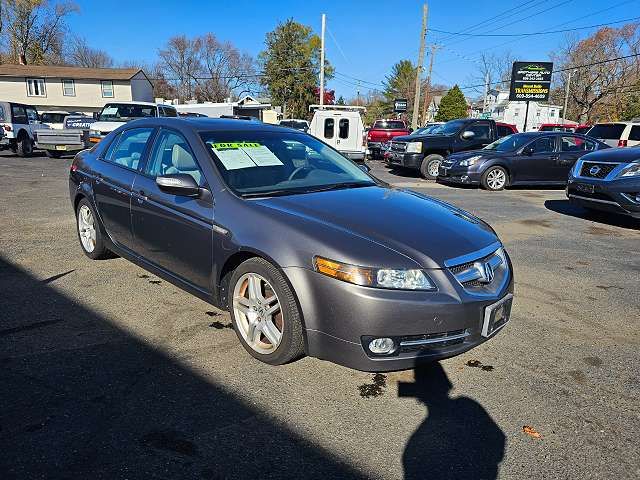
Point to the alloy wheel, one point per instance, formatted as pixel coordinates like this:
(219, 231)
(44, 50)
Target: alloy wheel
(433, 168)
(496, 179)
(86, 228)
(258, 313)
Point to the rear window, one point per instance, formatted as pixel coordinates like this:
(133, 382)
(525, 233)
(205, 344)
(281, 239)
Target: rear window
(389, 125)
(608, 131)
(294, 124)
(47, 117)
(635, 133)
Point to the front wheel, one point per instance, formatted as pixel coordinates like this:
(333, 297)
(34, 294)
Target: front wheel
(494, 178)
(265, 313)
(430, 166)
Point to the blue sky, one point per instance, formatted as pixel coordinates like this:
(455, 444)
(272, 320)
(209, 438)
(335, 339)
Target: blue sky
(364, 39)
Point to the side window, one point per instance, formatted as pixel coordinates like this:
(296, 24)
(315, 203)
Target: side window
(112, 146)
(503, 131)
(343, 128)
(635, 133)
(170, 112)
(172, 154)
(19, 115)
(328, 127)
(576, 144)
(2, 116)
(130, 148)
(482, 131)
(543, 145)
(32, 115)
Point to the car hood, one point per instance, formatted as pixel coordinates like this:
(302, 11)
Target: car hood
(472, 153)
(106, 126)
(422, 228)
(622, 155)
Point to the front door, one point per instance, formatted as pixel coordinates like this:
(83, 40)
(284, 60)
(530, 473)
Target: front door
(537, 162)
(173, 232)
(113, 179)
(482, 136)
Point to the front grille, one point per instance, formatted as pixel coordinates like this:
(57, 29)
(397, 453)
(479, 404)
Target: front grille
(596, 170)
(484, 275)
(398, 146)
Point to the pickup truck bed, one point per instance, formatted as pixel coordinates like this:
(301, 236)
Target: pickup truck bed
(62, 142)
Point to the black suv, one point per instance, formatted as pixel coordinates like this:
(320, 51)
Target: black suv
(426, 152)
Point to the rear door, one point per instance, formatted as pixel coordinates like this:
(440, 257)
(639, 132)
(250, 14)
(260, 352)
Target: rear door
(170, 231)
(571, 149)
(347, 137)
(537, 162)
(329, 129)
(113, 178)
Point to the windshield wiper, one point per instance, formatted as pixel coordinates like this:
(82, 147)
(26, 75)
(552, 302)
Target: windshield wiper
(340, 186)
(319, 188)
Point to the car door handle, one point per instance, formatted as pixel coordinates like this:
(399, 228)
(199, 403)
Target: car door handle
(141, 196)
(98, 178)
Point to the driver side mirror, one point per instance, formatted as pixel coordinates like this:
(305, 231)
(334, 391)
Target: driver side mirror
(181, 184)
(528, 150)
(468, 135)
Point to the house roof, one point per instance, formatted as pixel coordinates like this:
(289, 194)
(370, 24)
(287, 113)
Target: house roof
(49, 71)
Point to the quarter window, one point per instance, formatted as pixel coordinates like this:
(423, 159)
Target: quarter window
(36, 87)
(68, 88)
(107, 88)
(130, 148)
(172, 154)
(328, 127)
(343, 128)
(635, 133)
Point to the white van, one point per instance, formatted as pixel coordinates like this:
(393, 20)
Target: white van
(341, 127)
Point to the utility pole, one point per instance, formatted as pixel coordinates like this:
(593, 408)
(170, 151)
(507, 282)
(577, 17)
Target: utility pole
(566, 98)
(486, 92)
(427, 90)
(322, 61)
(416, 98)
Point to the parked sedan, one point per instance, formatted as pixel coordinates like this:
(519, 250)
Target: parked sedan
(524, 158)
(608, 180)
(308, 252)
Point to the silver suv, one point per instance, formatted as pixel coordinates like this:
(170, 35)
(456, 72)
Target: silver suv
(617, 134)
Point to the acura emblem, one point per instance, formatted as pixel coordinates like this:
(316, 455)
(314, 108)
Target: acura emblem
(486, 272)
(594, 170)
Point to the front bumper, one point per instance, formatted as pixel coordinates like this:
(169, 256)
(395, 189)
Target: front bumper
(403, 159)
(341, 317)
(615, 196)
(459, 175)
(356, 156)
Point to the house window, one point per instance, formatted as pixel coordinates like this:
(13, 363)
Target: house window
(107, 88)
(36, 87)
(68, 88)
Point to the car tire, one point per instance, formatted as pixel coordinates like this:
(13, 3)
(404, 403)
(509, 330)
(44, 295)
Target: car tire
(53, 154)
(24, 147)
(494, 178)
(252, 284)
(430, 165)
(89, 233)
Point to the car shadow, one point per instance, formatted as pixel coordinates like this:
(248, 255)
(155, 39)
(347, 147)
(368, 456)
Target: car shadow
(565, 207)
(457, 440)
(83, 398)
(404, 172)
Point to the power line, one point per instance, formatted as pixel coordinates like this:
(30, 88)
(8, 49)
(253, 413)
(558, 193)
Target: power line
(528, 34)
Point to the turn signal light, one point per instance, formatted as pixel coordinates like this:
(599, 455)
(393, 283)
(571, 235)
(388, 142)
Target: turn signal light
(622, 143)
(344, 271)
(7, 127)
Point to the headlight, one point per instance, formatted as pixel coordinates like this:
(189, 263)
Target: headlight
(375, 277)
(94, 133)
(632, 170)
(414, 147)
(470, 161)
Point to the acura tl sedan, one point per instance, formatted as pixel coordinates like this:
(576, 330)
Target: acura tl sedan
(530, 158)
(308, 252)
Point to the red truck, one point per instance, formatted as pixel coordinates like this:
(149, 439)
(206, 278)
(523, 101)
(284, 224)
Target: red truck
(381, 132)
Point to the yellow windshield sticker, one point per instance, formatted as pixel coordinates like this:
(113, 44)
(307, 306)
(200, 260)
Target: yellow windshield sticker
(236, 155)
(234, 145)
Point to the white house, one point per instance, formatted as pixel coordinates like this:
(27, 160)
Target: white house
(504, 110)
(49, 87)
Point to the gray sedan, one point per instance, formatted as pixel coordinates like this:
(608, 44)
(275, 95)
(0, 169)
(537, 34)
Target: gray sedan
(308, 252)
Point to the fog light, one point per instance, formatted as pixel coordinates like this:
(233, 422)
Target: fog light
(381, 346)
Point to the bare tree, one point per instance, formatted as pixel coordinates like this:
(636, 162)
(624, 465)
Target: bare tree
(34, 30)
(181, 62)
(82, 55)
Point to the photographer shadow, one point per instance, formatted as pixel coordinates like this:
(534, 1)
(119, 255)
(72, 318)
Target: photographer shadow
(458, 439)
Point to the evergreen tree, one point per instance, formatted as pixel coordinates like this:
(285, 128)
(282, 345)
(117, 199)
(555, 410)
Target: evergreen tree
(340, 101)
(400, 84)
(453, 105)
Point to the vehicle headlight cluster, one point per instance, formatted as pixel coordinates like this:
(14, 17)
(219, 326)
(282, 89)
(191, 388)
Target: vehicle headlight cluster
(398, 279)
(94, 133)
(632, 170)
(414, 147)
(467, 162)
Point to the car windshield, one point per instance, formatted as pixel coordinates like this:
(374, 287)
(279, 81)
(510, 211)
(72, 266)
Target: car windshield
(297, 124)
(261, 163)
(389, 125)
(121, 112)
(607, 131)
(509, 143)
(49, 117)
(450, 128)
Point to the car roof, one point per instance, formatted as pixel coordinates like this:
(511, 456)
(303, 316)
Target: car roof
(149, 104)
(203, 124)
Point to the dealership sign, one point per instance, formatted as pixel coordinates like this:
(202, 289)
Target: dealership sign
(530, 81)
(400, 105)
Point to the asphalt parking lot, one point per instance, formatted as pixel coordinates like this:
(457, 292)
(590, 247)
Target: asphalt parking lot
(108, 372)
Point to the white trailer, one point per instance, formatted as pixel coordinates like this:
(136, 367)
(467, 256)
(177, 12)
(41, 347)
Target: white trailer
(341, 127)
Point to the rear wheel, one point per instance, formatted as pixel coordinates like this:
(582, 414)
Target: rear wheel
(24, 147)
(89, 233)
(495, 178)
(265, 313)
(430, 165)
